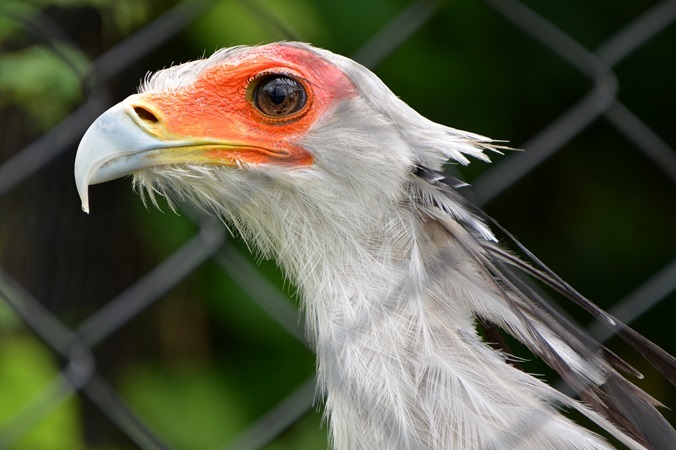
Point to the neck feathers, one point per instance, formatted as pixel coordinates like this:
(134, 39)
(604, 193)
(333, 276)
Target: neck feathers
(387, 297)
(399, 360)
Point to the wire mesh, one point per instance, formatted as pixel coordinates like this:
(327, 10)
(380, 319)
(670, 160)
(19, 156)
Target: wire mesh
(78, 345)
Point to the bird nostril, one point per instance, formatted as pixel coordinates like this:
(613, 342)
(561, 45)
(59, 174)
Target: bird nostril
(145, 115)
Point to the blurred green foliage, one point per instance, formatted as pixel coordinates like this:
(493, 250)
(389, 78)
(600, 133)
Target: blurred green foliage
(39, 81)
(205, 361)
(26, 369)
(43, 82)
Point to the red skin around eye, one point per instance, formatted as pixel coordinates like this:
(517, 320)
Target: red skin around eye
(218, 107)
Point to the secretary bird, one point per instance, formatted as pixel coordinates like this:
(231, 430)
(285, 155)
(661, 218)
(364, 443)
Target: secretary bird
(316, 163)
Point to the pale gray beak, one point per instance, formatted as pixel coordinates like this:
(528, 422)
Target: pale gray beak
(114, 146)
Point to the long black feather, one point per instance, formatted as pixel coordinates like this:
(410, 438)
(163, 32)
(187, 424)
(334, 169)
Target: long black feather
(655, 355)
(624, 404)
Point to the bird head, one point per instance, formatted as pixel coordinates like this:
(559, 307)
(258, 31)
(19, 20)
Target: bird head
(249, 125)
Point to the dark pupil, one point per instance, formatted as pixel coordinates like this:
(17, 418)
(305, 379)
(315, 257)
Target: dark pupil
(279, 93)
(280, 96)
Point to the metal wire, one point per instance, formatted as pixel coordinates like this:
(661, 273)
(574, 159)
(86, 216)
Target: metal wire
(79, 375)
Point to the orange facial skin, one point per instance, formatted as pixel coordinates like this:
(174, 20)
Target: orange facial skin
(217, 112)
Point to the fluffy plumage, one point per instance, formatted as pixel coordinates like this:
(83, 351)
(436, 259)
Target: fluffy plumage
(394, 269)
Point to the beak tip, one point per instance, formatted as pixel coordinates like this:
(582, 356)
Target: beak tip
(82, 185)
(85, 201)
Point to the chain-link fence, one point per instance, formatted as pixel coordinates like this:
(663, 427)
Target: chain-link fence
(60, 268)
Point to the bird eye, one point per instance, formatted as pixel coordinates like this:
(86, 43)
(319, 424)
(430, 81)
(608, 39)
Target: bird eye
(279, 96)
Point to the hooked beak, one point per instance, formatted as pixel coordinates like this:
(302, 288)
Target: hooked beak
(133, 135)
(116, 145)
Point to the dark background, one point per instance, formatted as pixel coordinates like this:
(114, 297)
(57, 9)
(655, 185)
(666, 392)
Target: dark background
(199, 361)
